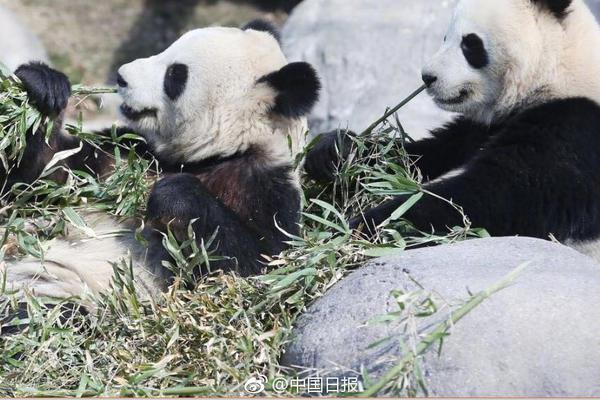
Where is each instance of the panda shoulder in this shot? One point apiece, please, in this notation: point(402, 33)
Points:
point(559, 127)
point(573, 113)
point(459, 126)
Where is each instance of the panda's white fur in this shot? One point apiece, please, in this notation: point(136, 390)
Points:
point(239, 114)
point(79, 264)
point(222, 99)
point(534, 58)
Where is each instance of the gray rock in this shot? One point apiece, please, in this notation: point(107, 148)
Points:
point(369, 55)
point(538, 337)
point(18, 45)
point(594, 6)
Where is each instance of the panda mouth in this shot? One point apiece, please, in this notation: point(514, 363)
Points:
point(135, 115)
point(464, 94)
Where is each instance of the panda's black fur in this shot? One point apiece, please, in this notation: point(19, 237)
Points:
point(264, 26)
point(295, 89)
point(176, 78)
point(559, 8)
point(534, 173)
point(244, 199)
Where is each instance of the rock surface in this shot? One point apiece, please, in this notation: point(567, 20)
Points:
point(537, 337)
point(18, 45)
point(369, 55)
point(595, 7)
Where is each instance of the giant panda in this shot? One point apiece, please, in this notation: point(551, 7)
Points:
point(522, 155)
point(223, 112)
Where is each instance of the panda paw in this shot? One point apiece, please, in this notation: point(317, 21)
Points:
point(364, 226)
point(322, 160)
point(48, 89)
point(176, 198)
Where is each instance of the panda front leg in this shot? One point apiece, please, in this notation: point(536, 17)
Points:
point(448, 148)
point(179, 199)
point(49, 92)
point(504, 191)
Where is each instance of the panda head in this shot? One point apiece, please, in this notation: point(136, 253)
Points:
point(217, 92)
point(501, 54)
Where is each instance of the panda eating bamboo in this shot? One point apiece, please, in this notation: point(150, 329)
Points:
point(522, 155)
point(224, 114)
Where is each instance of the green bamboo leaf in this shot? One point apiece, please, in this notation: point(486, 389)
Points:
point(325, 222)
point(58, 157)
point(77, 221)
point(381, 251)
point(292, 278)
point(407, 205)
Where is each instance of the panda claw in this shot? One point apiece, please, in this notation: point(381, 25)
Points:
point(48, 89)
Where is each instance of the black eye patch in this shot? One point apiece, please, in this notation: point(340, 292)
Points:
point(474, 51)
point(175, 80)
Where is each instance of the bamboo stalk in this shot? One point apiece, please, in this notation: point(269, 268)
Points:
point(88, 90)
point(392, 111)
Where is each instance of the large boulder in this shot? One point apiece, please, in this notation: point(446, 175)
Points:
point(537, 337)
point(369, 55)
point(18, 45)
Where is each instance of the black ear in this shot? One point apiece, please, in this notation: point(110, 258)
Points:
point(557, 7)
point(297, 86)
point(263, 26)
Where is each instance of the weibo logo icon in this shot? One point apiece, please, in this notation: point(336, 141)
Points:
point(256, 384)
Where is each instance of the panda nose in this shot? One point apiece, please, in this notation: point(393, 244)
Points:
point(121, 81)
point(429, 79)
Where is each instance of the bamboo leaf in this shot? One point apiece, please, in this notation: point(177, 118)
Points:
point(58, 157)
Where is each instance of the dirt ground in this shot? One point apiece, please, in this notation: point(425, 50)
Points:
point(89, 39)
